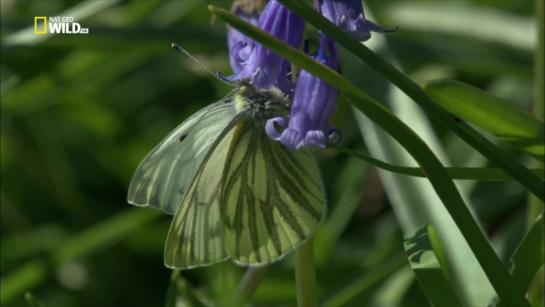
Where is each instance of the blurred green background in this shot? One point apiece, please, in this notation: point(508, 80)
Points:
point(78, 113)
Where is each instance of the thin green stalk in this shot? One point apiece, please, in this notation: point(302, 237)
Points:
point(460, 173)
point(535, 205)
point(437, 174)
point(305, 275)
point(248, 285)
point(172, 290)
point(518, 171)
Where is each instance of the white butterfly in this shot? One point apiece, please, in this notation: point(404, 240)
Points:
point(234, 192)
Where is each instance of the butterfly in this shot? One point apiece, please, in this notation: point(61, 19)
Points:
point(234, 193)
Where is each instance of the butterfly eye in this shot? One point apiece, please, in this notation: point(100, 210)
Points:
point(334, 137)
point(182, 137)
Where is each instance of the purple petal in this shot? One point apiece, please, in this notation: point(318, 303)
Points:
point(291, 138)
point(315, 138)
point(349, 15)
point(259, 65)
point(272, 125)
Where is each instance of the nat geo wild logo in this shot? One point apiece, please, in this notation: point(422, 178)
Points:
point(57, 25)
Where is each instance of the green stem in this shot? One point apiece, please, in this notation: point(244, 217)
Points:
point(535, 205)
point(172, 290)
point(305, 276)
point(461, 173)
point(248, 285)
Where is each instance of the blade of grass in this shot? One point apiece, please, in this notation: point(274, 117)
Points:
point(528, 256)
point(460, 173)
point(424, 258)
point(490, 113)
point(438, 176)
point(468, 134)
point(527, 259)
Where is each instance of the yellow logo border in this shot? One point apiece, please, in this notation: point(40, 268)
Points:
point(44, 30)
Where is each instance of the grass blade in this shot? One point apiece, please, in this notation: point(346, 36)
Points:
point(491, 114)
point(460, 173)
point(424, 260)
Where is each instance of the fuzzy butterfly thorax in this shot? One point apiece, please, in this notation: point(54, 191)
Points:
point(261, 104)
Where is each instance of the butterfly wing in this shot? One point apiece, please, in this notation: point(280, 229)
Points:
point(272, 197)
point(195, 237)
point(163, 177)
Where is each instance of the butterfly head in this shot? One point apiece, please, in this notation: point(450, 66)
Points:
point(261, 104)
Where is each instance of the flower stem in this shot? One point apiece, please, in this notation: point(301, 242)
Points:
point(305, 276)
point(249, 283)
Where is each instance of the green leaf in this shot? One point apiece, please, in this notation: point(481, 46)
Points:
point(479, 142)
point(527, 260)
point(437, 175)
point(462, 173)
point(426, 261)
point(491, 114)
point(528, 257)
point(536, 295)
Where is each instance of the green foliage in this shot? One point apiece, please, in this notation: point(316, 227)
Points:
point(490, 113)
point(527, 259)
point(79, 112)
point(424, 259)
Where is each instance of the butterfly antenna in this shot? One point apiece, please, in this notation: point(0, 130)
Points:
point(215, 74)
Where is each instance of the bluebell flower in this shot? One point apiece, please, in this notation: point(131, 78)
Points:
point(313, 104)
point(349, 16)
point(240, 46)
point(259, 65)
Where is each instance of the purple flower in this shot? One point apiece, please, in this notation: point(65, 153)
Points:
point(313, 104)
point(237, 40)
point(349, 15)
point(265, 69)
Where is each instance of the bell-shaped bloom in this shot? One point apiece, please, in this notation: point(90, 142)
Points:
point(235, 39)
point(263, 68)
point(313, 104)
point(349, 16)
